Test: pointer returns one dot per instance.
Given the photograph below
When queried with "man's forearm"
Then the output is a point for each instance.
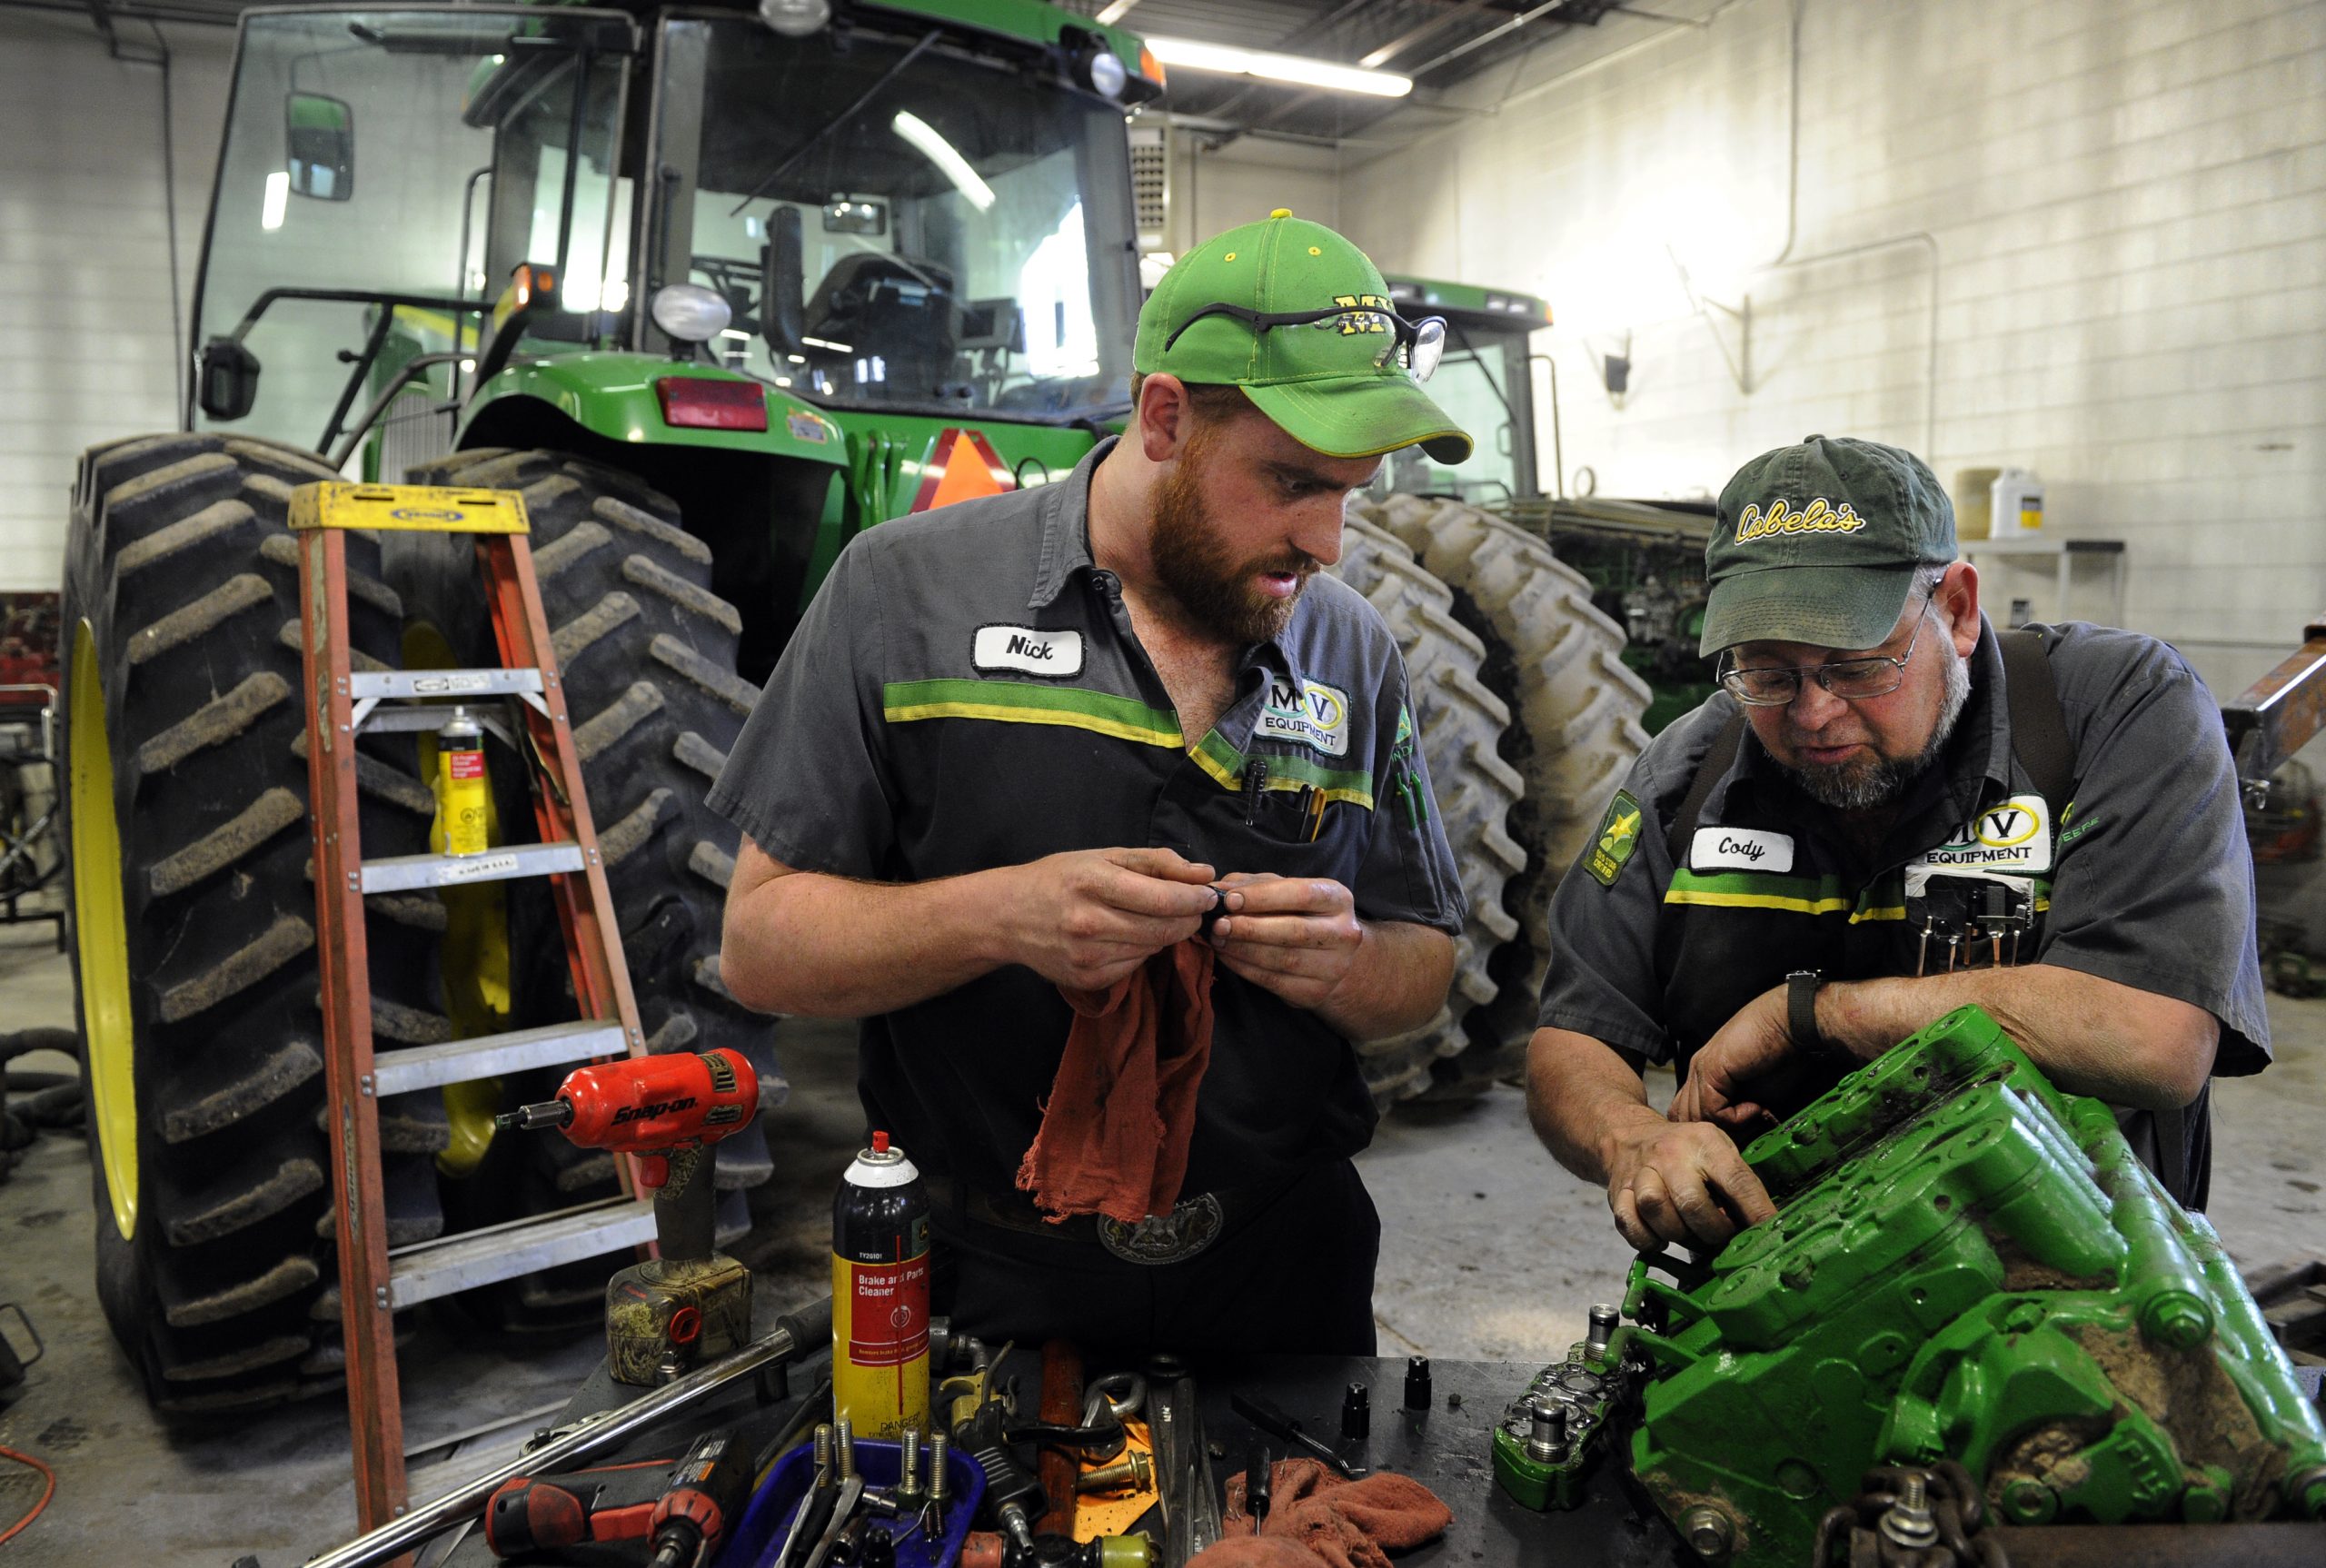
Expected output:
(1398, 982)
(820, 946)
(2090, 1036)
(1579, 1096)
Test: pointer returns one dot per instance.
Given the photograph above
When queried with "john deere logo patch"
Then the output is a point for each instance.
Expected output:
(1619, 837)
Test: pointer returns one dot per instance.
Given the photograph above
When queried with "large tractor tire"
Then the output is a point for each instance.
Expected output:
(1461, 725)
(1557, 661)
(193, 911)
(647, 654)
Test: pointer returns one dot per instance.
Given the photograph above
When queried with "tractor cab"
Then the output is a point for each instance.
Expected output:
(1486, 382)
(888, 211)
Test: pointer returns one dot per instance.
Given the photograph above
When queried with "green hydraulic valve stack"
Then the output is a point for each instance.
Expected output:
(1967, 1265)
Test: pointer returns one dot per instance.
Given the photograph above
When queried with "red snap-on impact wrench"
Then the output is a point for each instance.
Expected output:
(666, 1111)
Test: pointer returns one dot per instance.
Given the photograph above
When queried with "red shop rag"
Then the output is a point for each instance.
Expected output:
(1316, 1515)
(1115, 1130)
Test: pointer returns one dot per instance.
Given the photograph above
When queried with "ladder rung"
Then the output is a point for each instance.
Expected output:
(398, 873)
(476, 1257)
(459, 1061)
(418, 683)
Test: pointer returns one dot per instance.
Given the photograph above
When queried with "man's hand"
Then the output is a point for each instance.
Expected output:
(1683, 1184)
(1295, 935)
(1086, 918)
(1741, 1068)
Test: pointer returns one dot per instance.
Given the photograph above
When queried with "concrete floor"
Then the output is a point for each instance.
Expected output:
(1489, 1252)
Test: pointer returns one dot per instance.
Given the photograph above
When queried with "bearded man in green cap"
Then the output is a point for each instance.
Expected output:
(1890, 809)
(1023, 744)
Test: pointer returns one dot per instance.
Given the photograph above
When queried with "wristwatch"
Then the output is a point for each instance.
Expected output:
(1801, 1010)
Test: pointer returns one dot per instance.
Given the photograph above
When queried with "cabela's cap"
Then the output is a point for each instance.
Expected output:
(1819, 543)
(1322, 387)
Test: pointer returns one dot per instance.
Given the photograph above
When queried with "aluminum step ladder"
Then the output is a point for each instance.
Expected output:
(345, 703)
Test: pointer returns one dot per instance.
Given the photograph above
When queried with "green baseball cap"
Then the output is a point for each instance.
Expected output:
(1819, 543)
(1320, 381)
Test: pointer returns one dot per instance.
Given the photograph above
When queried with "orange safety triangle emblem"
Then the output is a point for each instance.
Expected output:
(963, 466)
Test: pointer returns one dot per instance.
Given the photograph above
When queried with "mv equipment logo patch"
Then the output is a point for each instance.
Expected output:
(2014, 835)
(1312, 712)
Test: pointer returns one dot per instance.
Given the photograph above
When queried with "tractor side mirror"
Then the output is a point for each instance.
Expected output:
(318, 138)
(783, 284)
(228, 380)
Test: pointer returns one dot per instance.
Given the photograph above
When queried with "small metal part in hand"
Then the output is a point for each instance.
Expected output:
(1211, 916)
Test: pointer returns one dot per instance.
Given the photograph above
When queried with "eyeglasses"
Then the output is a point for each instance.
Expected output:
(1851, 679)
(1416, 345)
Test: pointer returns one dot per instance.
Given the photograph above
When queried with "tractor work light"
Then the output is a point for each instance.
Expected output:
(699, 402)
(796, 18)
(1105, 72)
(690, 313)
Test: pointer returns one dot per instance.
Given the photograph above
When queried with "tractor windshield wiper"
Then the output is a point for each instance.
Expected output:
(837, 121)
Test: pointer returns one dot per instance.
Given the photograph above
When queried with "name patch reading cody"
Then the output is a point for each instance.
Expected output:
(2015, 835)
(1740, 849)
(1024, 648)
(1611, 851)
(1315, 713)
(1820, 516)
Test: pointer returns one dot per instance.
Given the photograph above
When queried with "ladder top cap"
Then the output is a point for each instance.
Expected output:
(408, 508)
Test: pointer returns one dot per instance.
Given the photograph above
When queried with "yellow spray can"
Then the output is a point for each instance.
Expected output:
(880, 1294)
(462, 791)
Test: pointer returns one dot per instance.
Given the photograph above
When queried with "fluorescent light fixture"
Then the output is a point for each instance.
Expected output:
(1114, 12)
(277, 198)
(939, 151)
(827, 346)
(1293, 68)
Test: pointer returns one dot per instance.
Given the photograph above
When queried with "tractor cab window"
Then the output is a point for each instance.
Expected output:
(1480, 382)
(382, 170)
(897, 224)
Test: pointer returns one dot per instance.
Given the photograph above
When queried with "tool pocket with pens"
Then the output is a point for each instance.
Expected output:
(1284, 810)
(1970, 919)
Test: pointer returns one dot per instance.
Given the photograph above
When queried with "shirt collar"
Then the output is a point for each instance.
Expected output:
(1065, 529)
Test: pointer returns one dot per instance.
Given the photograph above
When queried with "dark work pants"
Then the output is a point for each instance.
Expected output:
(1293, 1273)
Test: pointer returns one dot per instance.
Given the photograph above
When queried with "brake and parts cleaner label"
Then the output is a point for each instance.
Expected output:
(880, 1296)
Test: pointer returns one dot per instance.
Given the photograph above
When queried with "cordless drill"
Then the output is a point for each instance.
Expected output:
(689, 1303)
(682, 1508)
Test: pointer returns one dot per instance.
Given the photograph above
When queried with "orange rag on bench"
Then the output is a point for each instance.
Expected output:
(1115, 1130)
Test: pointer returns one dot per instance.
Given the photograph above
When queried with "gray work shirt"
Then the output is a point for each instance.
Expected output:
(2149, 883)
(967, 692)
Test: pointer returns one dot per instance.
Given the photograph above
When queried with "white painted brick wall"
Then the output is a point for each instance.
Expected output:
(2128, 201)
(87, 351)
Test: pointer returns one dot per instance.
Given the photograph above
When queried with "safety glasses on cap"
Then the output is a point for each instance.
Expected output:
(1417, 345)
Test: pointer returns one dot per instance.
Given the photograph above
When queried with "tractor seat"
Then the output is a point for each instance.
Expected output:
(878, 305)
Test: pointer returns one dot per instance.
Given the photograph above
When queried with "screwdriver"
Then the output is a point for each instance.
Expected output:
(1273, 1421)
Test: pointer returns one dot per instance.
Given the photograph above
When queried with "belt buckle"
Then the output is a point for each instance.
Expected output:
(1193, 1225)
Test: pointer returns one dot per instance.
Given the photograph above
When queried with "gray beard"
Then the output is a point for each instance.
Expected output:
(1864, 788)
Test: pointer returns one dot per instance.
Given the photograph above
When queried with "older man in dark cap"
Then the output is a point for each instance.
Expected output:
(1888, 810)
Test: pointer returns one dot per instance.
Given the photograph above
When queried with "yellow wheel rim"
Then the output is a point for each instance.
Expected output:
(101, 931)
(475, 949)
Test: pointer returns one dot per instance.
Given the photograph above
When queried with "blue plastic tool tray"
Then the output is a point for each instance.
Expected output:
(768, 1517)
